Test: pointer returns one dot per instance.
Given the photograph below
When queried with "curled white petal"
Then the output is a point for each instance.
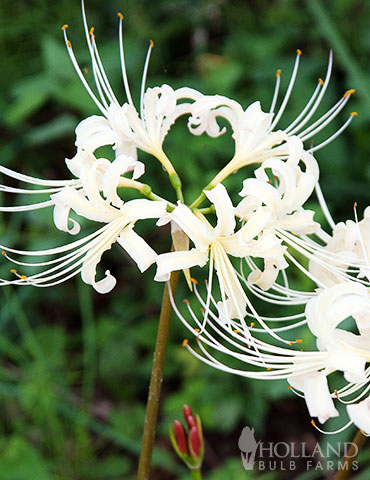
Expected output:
(143, 255)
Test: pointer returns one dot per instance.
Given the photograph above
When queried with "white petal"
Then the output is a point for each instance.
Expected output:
(224, 209)
(254, 119)
(137, 248)
(263, 191)
(166, 102)
(141, 209)
(61, 220)
(78, 202)
(359, 413)
(172, 261)
(111, 179)
(194, 228)
(317, 396)
(90, 263)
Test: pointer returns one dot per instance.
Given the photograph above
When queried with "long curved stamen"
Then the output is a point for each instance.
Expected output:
(86, 255)
(313, 251)
(335, 135)
(323, 205)
(36, 181)
(210, 280)
(27, 208)
(341, 429)
(101, 79)
(319, 98)
(123, 64)
(272, 319)
(363, 248)
(105, 82)
(329, 116)
(288, 92)
(276, 91)
(80, 74)
(307, 107)
(143, 80)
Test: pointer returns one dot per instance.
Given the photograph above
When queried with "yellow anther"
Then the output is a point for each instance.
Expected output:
(194, 281)
(13, 270)
(299, 51)
(64, 27)
(197, 329)
(197, 338)
(349, 92)
(186, 301)
(336, 393)
(185, 342)
(355, 206)
(353, 114)
(202, 309)
(321, 81)
(289, 386)
(120, 15)
(313, 423)
(299, 340)
(151, 43)
(69, 44)
(363, 433)
(3, 253)
(268, 368)
(252, 324)
(236, 331)
(291, 344)
(278, 72)
(92, 30)
(23, 277)
(86, 70)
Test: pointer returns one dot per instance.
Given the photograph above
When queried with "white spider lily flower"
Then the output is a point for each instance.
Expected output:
(347, 352)
(317, 394)
(359, 413)
(122, 126)
(216, 245)
(283, 198)
(348, 248)
(84, 255)
(253, 130)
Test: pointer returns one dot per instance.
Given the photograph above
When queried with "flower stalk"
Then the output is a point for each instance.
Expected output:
(353, 451)
(156, 380)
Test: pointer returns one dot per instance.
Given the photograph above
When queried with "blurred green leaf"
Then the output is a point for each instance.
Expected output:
(20, 461)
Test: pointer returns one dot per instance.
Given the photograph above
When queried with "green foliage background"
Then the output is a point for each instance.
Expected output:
(74, 365)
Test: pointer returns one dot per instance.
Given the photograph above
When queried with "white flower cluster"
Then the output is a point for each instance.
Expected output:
(268, 230)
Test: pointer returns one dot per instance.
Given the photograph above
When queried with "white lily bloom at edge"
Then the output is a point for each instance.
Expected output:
(359, 413)
(84, 255)
(253, 130)
(122, 126)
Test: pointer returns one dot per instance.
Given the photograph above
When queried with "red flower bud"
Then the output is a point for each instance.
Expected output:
(194, 440)
(190, 420)
(187, 411)
(180, 436)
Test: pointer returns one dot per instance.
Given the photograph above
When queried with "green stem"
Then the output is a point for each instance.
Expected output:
(196, 474)
(352, 453)
(156, 381)
(89, 341)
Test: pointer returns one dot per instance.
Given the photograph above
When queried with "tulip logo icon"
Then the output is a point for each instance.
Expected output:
(248, 447)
